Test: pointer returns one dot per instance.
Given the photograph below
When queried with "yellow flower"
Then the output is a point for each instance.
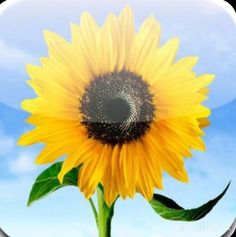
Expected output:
(117, 103)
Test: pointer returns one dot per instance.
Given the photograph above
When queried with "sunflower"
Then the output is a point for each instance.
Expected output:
(117, 104)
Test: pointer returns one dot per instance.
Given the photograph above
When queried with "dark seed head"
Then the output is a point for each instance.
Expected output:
(117, 107)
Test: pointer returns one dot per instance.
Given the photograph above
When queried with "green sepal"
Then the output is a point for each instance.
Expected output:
(170, 210)
(47, 182)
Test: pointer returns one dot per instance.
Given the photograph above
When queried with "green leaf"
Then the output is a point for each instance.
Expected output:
(170, 210)
(47, 182)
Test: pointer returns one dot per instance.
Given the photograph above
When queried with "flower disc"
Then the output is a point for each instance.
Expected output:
(117, 108)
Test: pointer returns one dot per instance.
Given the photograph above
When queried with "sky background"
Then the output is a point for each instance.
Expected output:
(206, 29)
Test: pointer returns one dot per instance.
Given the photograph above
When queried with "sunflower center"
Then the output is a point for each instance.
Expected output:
(117, 107)
(117, 110)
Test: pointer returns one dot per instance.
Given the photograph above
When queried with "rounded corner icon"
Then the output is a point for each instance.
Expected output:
(231, 231)
(3, 234)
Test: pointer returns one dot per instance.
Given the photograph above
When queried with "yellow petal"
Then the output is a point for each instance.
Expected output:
(163, 59)
(145, 42)
(108, 49)
(84, 152)
(126, 36)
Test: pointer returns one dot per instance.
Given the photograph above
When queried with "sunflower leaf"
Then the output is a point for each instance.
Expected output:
(47, 182)
(170, 210)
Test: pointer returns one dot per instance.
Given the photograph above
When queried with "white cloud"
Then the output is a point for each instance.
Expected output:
(218, 159)
(11, 57)
(9, 188)
(6, 144)
(23, 164)
(16, 161)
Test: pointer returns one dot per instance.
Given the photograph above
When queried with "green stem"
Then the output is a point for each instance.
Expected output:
(94, 210)
(105, 215)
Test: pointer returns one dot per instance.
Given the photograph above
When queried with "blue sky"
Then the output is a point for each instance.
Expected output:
(205, 29)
